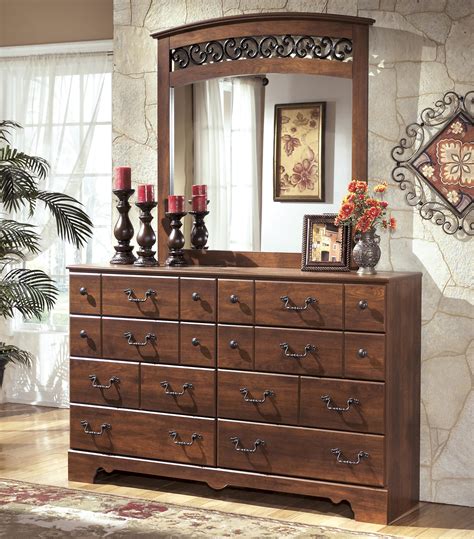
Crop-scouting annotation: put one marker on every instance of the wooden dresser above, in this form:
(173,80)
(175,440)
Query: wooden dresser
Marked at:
(273,379)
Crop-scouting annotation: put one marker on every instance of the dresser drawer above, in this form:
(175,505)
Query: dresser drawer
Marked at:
(364,356)
(257,397)
(84,293)
(140,297)
(305,305)
(108,383)
(318,352)
(143,434)
(85,336)
(365,307)
(182,390)
(342,405)
(236,301)
(301,452)
(198,344)
(235,347)
(198,299)
(140,340)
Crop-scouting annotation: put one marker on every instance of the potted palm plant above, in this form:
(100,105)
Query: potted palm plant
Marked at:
(29,291)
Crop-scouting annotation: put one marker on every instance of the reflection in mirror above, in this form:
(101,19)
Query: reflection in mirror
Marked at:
(223,136)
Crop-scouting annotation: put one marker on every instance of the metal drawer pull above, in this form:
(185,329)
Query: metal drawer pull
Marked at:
(195,341)
(233,344)
(236,441)
(166,385)
(363,304)
(173,434)
(87,428)
(234,299)
(360,455)
(83,334)
(362,352)
(195,296)
(113,380)
(266,393)
(149,337)
(327,399)
(307,302)
(148,294)
(309,348)
(83,291)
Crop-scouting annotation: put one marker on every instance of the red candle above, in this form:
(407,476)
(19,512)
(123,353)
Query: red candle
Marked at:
(176,204)
(123,178)
(199,189)
(146,193)
(199,202)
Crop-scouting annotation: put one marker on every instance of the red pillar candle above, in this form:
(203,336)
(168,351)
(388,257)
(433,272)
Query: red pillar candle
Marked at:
(176,204)
(199,190)
(123,178)
(146,193)
(199,202)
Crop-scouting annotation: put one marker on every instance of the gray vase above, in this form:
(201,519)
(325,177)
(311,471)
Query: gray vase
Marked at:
(367,252)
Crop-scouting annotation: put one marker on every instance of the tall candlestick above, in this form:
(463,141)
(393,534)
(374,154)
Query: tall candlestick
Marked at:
(146,236)
(123,178)
(176,204)
(175,240)
(146,193)
(123,230)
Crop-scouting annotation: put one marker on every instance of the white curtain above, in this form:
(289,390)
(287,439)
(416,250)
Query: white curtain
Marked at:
(63,101)
(227,157)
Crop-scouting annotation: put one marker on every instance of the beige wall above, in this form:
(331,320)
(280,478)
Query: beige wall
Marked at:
(34,22)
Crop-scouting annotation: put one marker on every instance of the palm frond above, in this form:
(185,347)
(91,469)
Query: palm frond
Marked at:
(5,127)
(37,165)
(73,223)
(12,354)
(18,188)
(15,236)
(30,292)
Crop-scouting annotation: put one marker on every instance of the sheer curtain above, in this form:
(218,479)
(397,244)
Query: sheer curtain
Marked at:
(63,101)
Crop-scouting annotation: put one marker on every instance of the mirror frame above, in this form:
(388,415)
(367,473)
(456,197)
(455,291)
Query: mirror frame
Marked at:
(353,29)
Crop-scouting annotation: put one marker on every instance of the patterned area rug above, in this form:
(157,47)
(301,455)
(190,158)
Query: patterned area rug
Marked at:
(29,510)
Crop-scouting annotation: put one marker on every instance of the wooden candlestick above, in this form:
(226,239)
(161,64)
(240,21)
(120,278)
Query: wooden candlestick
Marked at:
(123,230)
(176,241)
(199,232)
(146,236)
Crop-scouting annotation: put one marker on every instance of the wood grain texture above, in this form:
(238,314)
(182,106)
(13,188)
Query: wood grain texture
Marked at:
(204,308)
(204,353)
(240,357)
(370,367)
(88,303)
(371,318)
(90,344)
(241,310)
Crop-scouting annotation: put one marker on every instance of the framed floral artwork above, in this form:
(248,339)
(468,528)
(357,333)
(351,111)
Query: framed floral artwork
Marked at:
(326,246)
(298,174)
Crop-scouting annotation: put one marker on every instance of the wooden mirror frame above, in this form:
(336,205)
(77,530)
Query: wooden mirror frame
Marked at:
(351,30)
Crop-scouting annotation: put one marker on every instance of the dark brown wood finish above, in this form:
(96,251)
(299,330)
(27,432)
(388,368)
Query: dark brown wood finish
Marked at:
(365,307)
(85,336)
(198,299)
(235,347)
(198,344)
(364,356)
(236,301)
(84,293)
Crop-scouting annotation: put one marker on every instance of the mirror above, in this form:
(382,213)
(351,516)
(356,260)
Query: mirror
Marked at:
(223,135)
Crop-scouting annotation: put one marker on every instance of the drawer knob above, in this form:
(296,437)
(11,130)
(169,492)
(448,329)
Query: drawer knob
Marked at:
(266,393)
(166,386)
(234,299)
(83,291)
(362,352)
(233,344)
(195,341)
(307,302)
(195,296)
(87,428)
(112,381)
(340,457)
(236,441)
(83,334)
(149,337)
(308,349)
(328,400)
(173,434)
(363,304)
(131,295)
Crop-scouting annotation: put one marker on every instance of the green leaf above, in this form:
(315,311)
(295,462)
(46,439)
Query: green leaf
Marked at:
(36,165)
(5,128)
(17,188)
(12,354)
(15,236)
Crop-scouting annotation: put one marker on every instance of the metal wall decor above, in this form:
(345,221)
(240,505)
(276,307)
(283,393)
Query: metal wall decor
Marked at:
(248,48)
(435,164)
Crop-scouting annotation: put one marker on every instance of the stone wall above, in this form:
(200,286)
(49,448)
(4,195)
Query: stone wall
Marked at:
(419,49)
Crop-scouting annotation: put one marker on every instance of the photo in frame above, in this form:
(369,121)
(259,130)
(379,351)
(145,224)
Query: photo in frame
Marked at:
(326,246)
(298,173)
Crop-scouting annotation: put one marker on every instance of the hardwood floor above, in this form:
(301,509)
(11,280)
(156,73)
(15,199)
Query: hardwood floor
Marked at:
(33,447)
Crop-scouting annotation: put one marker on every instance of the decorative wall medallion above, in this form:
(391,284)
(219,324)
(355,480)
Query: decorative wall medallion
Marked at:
(435,163)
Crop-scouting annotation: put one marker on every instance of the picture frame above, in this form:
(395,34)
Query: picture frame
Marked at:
(298,162)
(326,246)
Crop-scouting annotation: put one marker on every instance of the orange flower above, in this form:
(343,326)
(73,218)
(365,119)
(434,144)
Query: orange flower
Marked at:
(372,202)
(380,188)
(362,186)
(374,212)
(393,223)
(352,186)
(384,204)
(346,210)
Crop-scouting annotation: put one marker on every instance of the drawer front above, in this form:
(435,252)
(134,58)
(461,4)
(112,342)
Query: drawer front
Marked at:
(342,405)
(106,383)
(365,307)
(198,299)
(141,297)
(140,340)
(301,452)
(364,356)
(144,434)
(258,397)
(182,390)
(319,352)
(85,336)
(236,301)
(198,344)
(84,293)
(235,347)
(290,304)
